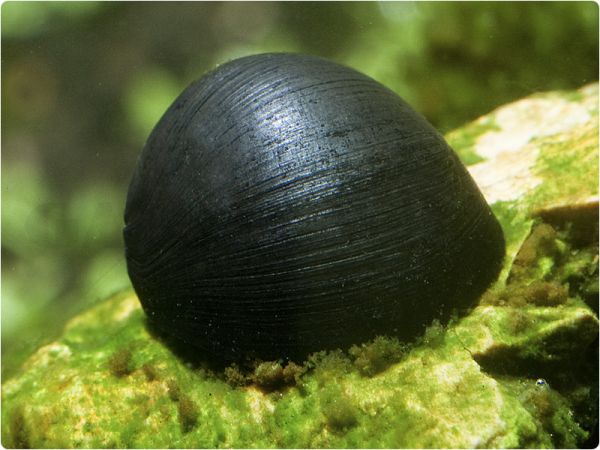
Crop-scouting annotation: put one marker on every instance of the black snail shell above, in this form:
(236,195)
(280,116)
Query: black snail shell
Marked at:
(285,204)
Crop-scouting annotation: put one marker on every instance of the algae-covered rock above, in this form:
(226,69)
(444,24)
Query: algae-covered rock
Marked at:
(519,370)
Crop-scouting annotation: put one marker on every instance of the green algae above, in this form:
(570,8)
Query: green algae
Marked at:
(339,411)
(464,139)
(568,164)
(120,363)
(516,225)
(19,429)
(376,356)
(550,410)
(187,412)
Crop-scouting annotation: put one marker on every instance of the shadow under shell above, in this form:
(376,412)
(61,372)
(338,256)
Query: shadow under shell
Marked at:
(285,204)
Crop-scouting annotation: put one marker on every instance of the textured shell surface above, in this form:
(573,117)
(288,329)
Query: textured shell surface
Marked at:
(285,204)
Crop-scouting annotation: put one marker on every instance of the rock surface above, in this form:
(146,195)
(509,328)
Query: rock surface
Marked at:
(520,370)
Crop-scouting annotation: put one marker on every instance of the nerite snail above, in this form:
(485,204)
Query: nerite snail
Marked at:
(285,204)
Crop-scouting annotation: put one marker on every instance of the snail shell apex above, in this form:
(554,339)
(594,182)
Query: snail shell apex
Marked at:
(285,204)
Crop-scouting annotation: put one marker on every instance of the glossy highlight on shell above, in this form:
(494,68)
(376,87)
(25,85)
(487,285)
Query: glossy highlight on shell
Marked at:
(285,204)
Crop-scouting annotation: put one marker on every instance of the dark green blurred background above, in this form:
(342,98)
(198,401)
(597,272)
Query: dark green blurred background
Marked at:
(83,83)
